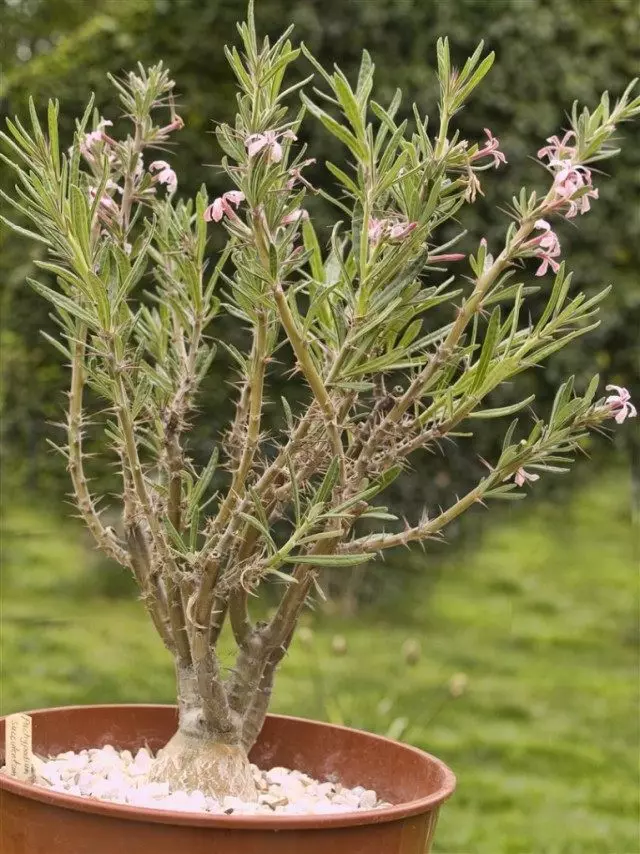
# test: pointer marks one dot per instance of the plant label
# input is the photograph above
(18, 752)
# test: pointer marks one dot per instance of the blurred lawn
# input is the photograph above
(542, 619)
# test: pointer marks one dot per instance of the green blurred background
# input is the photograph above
(513, 652)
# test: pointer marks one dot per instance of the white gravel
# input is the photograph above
(118, 776)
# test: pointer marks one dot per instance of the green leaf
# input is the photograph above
(500, 411)
(312, 246)
(380, 515)
(260, 527)
(318, 66)
(63, 303)
(288, 414)
(506, 493)
(202, 483)
(349, 104)
(335, 128)
(365, 80)
(295, 492)
(592, 389)
(488, 350)
(330, 560)
(54, 146)
(563, 395)
(24, 231)
(344, 179)
(57, 344)
(175, 538)
(475, 79)
(328, 482)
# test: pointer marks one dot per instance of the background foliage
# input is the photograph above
(548, 54)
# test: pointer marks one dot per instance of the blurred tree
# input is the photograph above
(549, 52)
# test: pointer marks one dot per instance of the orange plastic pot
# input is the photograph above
(34, 820)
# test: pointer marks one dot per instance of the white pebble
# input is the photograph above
(109, 774)
(368, 800)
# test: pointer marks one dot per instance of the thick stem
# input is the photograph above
(311, 374)
(256, 383)
(152, 593)
(257, 711)
(176, 610)
(204, 634)
(106, 540)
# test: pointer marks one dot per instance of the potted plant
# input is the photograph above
(353, 316)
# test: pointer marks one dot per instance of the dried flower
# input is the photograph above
(257, 142)
(401, 230)
(296, 175)
(176, 123)
(620, 403)
(473, 187)
(165, 175)
(223, 205)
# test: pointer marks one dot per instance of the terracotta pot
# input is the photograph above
(34, 820)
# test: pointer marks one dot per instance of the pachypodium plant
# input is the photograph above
(350, 314)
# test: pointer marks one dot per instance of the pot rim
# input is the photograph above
(232, 822)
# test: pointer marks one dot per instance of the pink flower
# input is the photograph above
(401, 230)
(377, 229)
(491, 149)
(569, 178)
(620, 404)
(558, 148)
(521, 477)
(108, 208)
(268, 141)
(165, 175)
(572, 179)
(548, 248)
(452, 256)
(223, 205)
(176, 123)
(581, 205)
(380, 229)
(96, 135)
(295, 216)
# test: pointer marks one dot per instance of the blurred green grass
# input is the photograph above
(541, 617)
